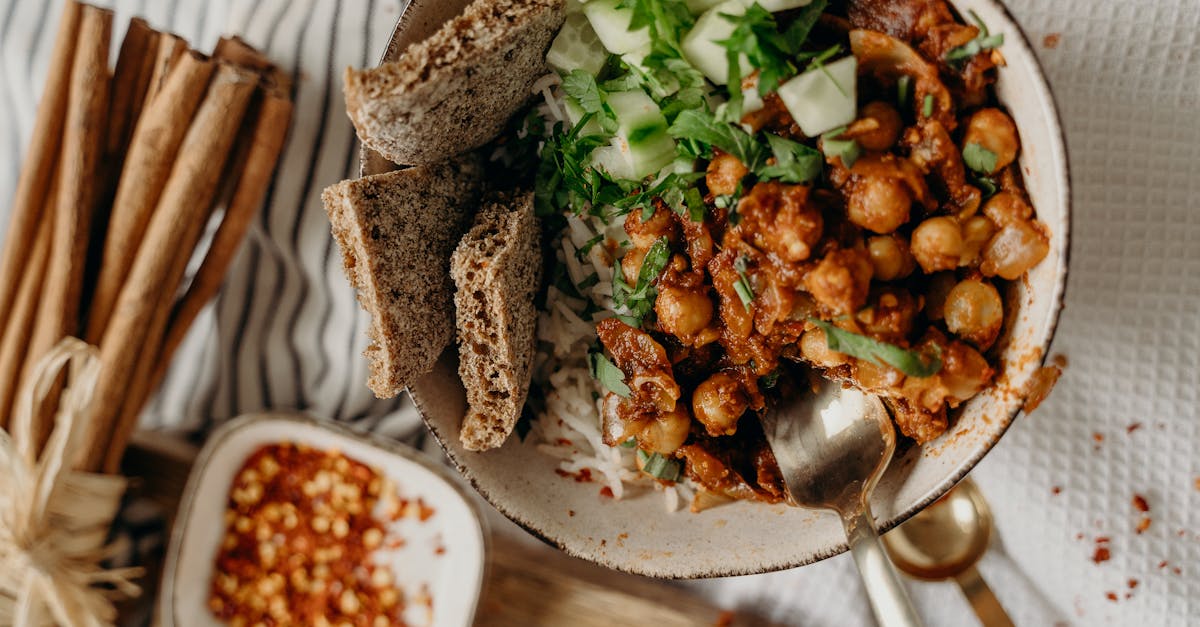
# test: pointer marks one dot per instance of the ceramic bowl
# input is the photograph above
(637, 535)
(453, 577)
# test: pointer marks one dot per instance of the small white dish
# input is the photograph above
(454, 577)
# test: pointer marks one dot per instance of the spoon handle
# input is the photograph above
(983, 601)
(888, 598)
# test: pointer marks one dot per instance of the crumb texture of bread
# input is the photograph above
(454, 91)
(397, 232)
(497, 272)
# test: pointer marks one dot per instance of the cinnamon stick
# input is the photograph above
(131, 79)
(266, 144)
(33, 186)
(83, 142)
(152, 151)
(20, 323)
(170, 49)
(174, 228)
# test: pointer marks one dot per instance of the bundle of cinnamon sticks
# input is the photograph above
(126, 170)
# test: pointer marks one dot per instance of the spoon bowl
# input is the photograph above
(945, 541)
(831, 447)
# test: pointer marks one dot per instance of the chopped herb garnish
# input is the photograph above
(742, 286)
(772, 52)
(982, 41)
(664, 70)
(609, 375)
(589, 281)
(847, 150)
(583, 251)
(704, 127)
(927, 106)
(987, 185)
(794, 162)
(903, 90)
(639, 300)
(658, 466)
(910, 362)
(630, 443)
(695, 204)
(978, 158)
(770, 380)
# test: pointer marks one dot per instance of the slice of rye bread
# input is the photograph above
(454, 91)
(497, 271)
(397, 231)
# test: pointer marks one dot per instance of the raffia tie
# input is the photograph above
(53, 520)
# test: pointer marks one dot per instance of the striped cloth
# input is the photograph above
(286, 331)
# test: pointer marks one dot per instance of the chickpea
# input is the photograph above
(935, 296)
(814, 348)
(643, 233)
(841, 280)
(1014, 250)
(878, 203)
(885, 126)
(964, 373)
(667, 432)
(937, 244)
(1007, 207)
(974, 312)
(683, 313)
(873, 376)
(976, 232)
(890, 257)
(890, 314)
(718, 402)
(724, 173)
(631, 265)
(995, 131)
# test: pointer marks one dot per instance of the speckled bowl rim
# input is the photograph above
(1057, 141)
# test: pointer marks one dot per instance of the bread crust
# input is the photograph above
(454, 91)
(396, 232)
(497, 272)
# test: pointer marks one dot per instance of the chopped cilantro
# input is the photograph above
(794, 162)
(742, 286)
(927, 106)
(609, 375)
(639, 300)
(659, 467)
(979, 159)
(983, 41)
(910, 362)
(903, 91)
(772, 52)
(702, 126)
(847, 150)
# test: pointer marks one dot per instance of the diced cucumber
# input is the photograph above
(775, 6)
(576, 47)
(700, 45)
(751, 100)
(611, 23)
(575, 113)
(700, 6)
(823, 99)
(637, 56)
(641, 146)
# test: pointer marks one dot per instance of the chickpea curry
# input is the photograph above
(839, 197)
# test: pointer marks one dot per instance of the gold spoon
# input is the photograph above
(945, 541)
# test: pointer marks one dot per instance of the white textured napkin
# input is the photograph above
(286, 332)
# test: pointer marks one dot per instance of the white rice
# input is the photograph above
(570, 428)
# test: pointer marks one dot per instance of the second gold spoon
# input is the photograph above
(945, 541)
